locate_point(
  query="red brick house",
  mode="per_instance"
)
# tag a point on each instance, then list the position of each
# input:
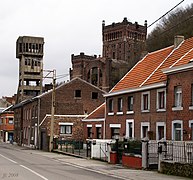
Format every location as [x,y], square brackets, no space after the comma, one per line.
[7,124]
[154,99]
[94,124]
[73,101]
[180,99]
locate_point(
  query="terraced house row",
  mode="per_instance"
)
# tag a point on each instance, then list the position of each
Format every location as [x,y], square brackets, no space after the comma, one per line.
[154,99]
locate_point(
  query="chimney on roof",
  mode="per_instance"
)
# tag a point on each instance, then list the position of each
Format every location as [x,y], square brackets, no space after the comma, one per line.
[177,40]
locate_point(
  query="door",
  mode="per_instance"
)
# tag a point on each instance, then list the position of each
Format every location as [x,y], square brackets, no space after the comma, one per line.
[44,145]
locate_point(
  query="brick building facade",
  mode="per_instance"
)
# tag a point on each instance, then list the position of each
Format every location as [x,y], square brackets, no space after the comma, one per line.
[75,98]
[6,124]
[94,124]
[180,102]
[154,99]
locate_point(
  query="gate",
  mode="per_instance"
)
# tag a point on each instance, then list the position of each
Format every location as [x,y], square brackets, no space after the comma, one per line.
[152,155]
[103,150]
[100,149]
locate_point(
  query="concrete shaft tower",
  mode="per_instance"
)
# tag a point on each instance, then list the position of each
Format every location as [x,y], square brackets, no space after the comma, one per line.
[29,51]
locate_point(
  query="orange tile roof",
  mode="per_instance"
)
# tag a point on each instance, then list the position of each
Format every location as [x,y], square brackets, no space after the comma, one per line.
[149,69]
[98,113]
[142,70]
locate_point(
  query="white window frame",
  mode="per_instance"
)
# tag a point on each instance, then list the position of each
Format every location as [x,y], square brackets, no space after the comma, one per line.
[127,128]
[160,124]
[66,130]
[129,111]
[65,124]
[98,125]
[142,103]
[177,122]
[89,125]
[144,124]
[88,133]
[121,105]
[191,106]
[190,126]
[177,99]
[115,125]
[110,113]
[158,91]
[190,123]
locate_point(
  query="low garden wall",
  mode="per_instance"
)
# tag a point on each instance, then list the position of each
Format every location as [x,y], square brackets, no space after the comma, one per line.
[132,161]
[176,168]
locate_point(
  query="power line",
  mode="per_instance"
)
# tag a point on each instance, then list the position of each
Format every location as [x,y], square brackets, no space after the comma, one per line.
[165,14]
[61,76]
[187,19]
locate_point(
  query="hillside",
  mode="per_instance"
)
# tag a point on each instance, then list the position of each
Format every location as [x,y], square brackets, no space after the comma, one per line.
[178,22]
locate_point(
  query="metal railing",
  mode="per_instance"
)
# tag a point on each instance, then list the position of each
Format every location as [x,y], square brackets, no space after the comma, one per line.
[178,151]
[71,147]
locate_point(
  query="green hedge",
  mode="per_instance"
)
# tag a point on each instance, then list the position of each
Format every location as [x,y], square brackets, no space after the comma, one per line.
[178,169]
[128,146]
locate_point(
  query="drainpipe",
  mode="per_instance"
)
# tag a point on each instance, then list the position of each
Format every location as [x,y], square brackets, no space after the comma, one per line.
[104,130]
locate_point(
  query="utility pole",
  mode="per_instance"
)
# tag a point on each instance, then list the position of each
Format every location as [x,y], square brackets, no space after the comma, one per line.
[53,77]
[52,112]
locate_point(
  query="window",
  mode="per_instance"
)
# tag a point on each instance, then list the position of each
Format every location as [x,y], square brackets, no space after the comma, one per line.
[113,55]
[130,128]
[120,105]
[94,95]
[130,103]
[99,134]
[177,130]
[160,130]
[114,132]
[110,105]
[78,93]
[94,76]
[20,47]
[66,129]
[10,120]
[191,128]
[161,99]
[145,101]
[89,132]
[145,127]
[178,96]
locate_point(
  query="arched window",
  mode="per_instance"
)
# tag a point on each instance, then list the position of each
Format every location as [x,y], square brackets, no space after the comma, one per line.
[94,76]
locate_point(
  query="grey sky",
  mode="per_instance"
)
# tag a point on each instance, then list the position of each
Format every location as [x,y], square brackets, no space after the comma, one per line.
[68,27]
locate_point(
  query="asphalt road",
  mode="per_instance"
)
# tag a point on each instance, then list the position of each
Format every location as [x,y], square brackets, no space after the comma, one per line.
[22,164]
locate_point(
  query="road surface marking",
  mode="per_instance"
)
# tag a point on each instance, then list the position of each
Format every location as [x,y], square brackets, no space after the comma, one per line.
[24,167]
[8,159]
[34,172]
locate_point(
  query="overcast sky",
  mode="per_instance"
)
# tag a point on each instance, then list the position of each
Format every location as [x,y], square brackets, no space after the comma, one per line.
[68,27]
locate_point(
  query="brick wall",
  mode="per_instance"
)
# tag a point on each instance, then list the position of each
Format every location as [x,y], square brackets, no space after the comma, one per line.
[94,125]
[152,116]
[65,104]
[185,80]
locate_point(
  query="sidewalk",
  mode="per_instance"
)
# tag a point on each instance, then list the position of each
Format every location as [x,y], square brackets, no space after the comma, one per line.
[97,166]
[114,170]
